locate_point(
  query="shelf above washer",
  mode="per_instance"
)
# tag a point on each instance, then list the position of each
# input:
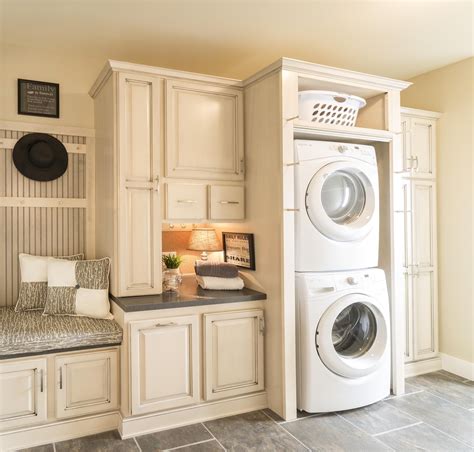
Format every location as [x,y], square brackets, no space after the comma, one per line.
[309,131]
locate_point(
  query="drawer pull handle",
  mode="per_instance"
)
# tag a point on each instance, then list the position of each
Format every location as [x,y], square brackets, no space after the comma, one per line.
[166,324]
[41,381]
[229,202]
[186,201]
[61,378]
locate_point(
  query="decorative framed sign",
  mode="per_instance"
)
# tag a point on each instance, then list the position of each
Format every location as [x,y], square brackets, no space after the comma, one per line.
[37,98]
[239,249]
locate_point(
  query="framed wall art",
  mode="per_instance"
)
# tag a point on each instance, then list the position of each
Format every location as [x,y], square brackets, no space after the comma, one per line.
[239,249]
[37,98]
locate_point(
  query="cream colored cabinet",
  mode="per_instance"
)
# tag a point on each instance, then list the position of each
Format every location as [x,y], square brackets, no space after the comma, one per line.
[186,202]
[233,353]
[86,383]
[420,269]
[198,202]
[139,225]
[23,392]
[164,363]
[418,156]
[226,202]
[204,131]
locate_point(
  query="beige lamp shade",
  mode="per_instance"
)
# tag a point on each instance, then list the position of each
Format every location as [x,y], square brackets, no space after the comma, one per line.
[204,239]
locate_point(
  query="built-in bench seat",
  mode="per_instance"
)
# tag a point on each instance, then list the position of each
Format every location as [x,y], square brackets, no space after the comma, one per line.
[31,333]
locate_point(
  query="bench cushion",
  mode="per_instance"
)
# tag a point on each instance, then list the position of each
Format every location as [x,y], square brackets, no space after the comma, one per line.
[29,333]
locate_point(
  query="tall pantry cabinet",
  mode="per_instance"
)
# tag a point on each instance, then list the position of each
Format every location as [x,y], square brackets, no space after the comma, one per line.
[128,148]
[416,174]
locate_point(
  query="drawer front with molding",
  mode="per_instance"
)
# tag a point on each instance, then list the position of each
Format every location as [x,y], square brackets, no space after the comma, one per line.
[186,202]
[23,387]
[86,383]
[226,202]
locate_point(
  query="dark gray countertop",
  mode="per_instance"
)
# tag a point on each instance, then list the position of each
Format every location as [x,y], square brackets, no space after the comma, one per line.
[190,294]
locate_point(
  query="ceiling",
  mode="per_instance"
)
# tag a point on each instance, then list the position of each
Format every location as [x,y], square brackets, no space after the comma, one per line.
[235,38]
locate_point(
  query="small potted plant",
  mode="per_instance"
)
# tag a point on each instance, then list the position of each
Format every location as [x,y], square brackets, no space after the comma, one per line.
[172,275]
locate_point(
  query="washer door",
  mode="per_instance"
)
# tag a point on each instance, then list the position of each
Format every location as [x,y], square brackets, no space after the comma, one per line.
[341,201]
[351,337]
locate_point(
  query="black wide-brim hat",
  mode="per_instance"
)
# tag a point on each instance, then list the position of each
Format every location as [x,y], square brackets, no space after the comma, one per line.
[41,157]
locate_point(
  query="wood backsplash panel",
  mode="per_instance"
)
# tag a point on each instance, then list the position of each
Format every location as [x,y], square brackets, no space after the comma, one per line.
[45,229]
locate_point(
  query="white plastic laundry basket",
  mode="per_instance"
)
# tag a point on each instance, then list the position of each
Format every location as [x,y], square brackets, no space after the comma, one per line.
[329,107]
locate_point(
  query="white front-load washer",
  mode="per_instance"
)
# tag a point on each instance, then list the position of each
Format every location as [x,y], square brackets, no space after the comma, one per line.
[337,203]
[343,340]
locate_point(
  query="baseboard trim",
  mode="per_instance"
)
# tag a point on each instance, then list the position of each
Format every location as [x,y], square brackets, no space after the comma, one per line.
[155,422]
[457,366]
[58,431]
[422,367]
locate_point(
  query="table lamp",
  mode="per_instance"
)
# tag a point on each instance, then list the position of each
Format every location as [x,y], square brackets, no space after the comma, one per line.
[204,239]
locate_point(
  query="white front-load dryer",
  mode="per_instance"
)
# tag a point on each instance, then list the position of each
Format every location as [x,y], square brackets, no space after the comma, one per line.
[343,340]
[337,203]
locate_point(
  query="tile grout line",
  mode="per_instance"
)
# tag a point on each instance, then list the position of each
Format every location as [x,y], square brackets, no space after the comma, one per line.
[363,431]
[446,400]
[212,434]
[193,444]
[138,445]
[430,425]
[403,395]
[285,430]
[398,428]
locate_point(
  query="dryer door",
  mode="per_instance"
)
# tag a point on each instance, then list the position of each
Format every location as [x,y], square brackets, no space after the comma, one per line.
[352,336]
[341,200]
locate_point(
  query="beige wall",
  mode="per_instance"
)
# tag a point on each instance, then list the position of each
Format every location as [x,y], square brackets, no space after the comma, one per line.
[75,74]
[449,90]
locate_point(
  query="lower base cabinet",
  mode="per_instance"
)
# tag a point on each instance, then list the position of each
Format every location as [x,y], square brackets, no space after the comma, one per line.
[233,353]
[23,393]
[166,367]
[164,357]
[86,383]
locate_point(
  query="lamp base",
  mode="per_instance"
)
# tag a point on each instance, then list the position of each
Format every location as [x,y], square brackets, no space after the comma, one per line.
[204,256]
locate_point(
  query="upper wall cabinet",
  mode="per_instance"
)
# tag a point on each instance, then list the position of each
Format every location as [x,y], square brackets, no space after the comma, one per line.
[204,131]
[418,158]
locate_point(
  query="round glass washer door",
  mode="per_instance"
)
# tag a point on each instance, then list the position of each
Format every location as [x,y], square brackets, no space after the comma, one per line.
[341,201]
[351,337]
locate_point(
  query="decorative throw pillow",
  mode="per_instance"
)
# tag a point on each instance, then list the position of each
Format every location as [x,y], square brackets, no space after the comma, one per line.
[34,280]
[78,288]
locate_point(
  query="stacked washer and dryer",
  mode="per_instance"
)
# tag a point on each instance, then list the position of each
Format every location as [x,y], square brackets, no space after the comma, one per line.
[343,324]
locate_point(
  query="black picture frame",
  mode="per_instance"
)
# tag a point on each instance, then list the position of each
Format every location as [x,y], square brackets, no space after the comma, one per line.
[245,258]
[37,98]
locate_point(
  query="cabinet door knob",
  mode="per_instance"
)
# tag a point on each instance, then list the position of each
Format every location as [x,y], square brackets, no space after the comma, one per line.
[229,202]
[186,201]
[166,324]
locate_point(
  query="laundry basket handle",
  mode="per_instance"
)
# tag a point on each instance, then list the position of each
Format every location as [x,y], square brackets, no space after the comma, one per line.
[340,98]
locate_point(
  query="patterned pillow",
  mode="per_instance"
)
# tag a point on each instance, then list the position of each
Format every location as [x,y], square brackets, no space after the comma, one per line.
[78,288]
[34,280]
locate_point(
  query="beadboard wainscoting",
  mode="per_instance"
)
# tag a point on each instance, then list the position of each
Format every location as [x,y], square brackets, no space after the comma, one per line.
[44,218]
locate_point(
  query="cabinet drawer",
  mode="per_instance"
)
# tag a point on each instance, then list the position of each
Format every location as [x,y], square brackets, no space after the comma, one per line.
[226,202]
[186,202]
[23,389]
[86,383]
[233,347]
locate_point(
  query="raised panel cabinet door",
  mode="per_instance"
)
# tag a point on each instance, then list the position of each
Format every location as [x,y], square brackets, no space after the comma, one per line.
[139,219]
[233,353]
[86,383]
[186,202]
[425,315]
[164,363]
[23,399]
[423,145]
[226,202]
[204,131]
[425,292]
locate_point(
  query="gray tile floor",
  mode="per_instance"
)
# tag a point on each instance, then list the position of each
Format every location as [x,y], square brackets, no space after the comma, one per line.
[436,414]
